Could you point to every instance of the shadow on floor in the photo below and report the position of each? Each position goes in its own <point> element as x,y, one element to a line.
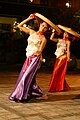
<point>58,96</point>
<point>52,98</point>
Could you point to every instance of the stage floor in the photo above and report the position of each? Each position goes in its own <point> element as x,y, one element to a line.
<point>58,106</point>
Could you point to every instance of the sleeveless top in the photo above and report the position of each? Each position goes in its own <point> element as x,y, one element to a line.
<point>33,44</point>
<point>61,48</point>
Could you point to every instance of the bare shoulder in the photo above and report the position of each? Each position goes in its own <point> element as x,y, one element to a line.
<point>67,42</point>
<point>32,31</point>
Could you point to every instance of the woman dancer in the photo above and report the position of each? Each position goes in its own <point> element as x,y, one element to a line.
<point>58,82</point>
<point>26,87</point>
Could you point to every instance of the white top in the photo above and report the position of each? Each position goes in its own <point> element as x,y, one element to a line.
<point>33,44</point>
<point>61,48</point>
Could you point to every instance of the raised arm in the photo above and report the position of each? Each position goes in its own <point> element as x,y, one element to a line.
<point>20,26</point>
<point>52,36</point>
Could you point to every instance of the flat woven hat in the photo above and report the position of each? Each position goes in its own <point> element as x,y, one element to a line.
<point>69,30</point>
<point>49,22</point>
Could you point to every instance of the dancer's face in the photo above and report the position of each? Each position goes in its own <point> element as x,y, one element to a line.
<point>43,27</point>
<point>65,35</point>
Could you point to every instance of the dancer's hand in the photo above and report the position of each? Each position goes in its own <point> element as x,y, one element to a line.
<point>32,16</point>
<point>53,30</point>
<point>69,59</point>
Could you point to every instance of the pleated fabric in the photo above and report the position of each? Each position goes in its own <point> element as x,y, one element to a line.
<point>26,86</point>
<point>58,82</point>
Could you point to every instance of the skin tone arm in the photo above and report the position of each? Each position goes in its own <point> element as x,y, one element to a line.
<point>52,37</point>
<point>26,30</point>
<point>43,43</point>
<point>68,50</point>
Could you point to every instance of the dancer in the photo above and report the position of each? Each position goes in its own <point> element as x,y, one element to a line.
<point>26,87</point>
<point>58,82</point>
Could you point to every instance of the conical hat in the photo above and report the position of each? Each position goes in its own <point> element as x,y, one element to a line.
<point>69,30</point>
<point>48,21</point>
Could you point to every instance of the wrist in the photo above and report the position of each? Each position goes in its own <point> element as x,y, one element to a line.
<point>53,30</point>
<point>39,51</point>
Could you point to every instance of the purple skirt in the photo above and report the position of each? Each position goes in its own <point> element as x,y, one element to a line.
<point>26,86</point>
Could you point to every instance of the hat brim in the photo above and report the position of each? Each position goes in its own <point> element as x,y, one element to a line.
<point>48,22</point>
<point>69,30</point>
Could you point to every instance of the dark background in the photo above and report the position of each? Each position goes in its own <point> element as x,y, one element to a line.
<point>13,45</point>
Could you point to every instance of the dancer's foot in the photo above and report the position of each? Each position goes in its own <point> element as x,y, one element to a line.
<point>44,97</point>
<point>17,100</point>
